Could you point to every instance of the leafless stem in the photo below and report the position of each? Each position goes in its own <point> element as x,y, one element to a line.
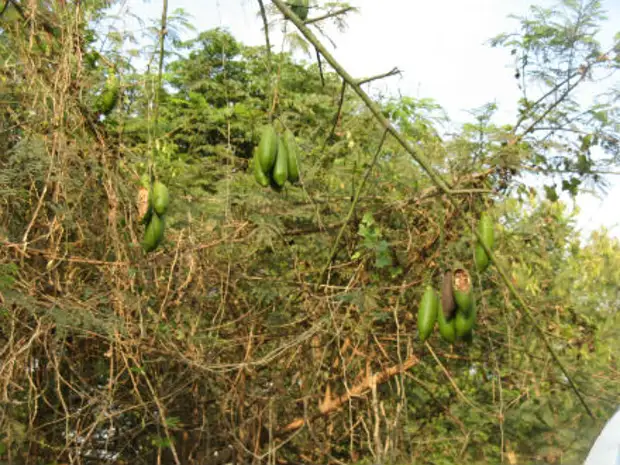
<point>329,15</point>
<point>392,72</point>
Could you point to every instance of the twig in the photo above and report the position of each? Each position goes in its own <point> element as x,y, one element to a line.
<point>392,72</point>
<point>329,15</point>
<point>338,113</point>
<point>318,59</point>
<point>6,5</point>
<point>550,109</point>
<point>162,38</point>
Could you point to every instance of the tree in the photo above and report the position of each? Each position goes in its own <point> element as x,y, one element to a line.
<point>281,324</point>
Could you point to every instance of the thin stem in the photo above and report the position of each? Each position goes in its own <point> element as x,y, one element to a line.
<point>160,71</point>
<point>263,14</point>
<point>392,72</point>
<point>329,15</point>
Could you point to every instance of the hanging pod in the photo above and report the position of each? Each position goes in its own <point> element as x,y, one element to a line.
<point>160,198</point>
<point>486,231</point>
<point>447,326</point>
<point>481,258</point>
<point>487,237</point>
<point>109,96</point>
<point>267,148</point>
<point>448,305</point>
<point>259,175</point>
<point>462,289</point>
<point>427,313</point>
<point>154,233</point>
<point>280,168</point>
<point>464,323</point>
<point>293,161</point>
<point>300,7</point>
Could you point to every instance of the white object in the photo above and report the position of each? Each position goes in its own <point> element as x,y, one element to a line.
<point>606,448</point>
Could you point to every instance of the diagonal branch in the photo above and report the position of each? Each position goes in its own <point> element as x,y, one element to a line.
<point>436,178</point>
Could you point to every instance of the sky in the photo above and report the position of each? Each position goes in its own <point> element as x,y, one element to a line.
<point>440,46</point>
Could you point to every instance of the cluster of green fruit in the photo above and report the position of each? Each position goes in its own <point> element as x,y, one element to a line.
<point>300,8</point>
<point>155,215</point>
<point>275,159</point>
<point>455,312</point>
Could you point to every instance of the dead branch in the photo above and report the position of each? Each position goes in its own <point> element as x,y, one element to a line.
<point>330,405</point>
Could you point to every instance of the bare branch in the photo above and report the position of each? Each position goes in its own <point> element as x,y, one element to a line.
<point>263,14</point>
<point>332,404</point>
<point>392,72</point>
<point>329,15</point>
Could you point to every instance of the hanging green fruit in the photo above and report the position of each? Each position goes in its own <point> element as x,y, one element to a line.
<point>268,148</point>
<point>301,8</point>
<point>486,231</point>
<point>280,168</point>
<point>427,313</point>
<point>259,175</point>
<point>447,326</point>
<point>464,322</point>
<point>160,198</point>
<point>462,289</point>
<point>481,258</point>
<point>487,235</point>
<point>293,162</point>
<point>153,234</point>
<point>109,96</point>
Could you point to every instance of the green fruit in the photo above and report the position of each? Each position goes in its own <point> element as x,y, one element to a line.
<point>462,289</point>
<point>427,313</point>
<point>464,323</point>
<point>274,186</point>
<point>109,97</point>
<point>293,163</point>
<point>447,327</point>
<point>280,169</point>
<point>260,177</point>
<point>153,234</point>
<point>160,198</point>
<point>148,215</point>
<point>481,258</point>
<point>485,229</point>
<point>300,8</point>
<point>267,148</point>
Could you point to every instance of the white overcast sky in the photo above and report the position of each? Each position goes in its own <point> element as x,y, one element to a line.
<point>439,45</point>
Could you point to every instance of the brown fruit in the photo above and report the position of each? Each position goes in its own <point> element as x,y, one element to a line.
<point>447,296</point>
